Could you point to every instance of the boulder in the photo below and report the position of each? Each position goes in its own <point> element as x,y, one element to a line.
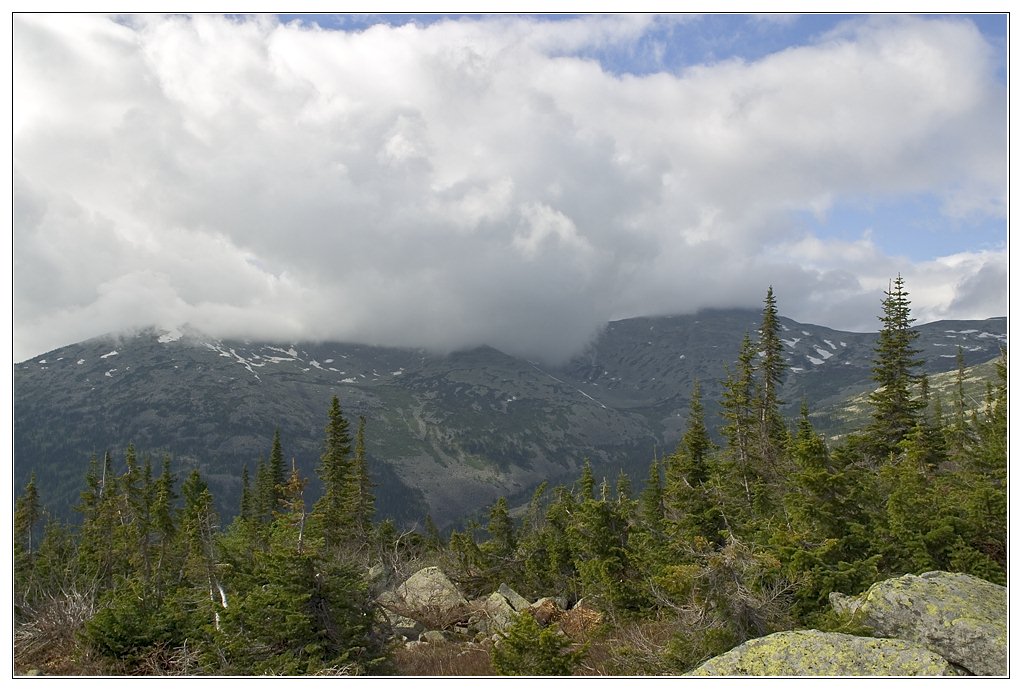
<point>433,637</point>
<point>514,599</point>
<point>430,589</point>
<point>500,613</point>
<point>401,626</point>
<point>961,617</point>
<point>814,653</point>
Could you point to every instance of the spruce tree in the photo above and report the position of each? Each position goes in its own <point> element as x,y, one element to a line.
<point>277,473</point>
<point>333,470</point>
<point>689,511</point>
<point>895,373</point>
<point>739,476</point>
<point>771,370</point>
<point>359,507</point>
<point>27,513</point>
<point>587,483</point>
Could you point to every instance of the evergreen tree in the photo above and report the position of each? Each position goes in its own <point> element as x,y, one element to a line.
<point>689,511</point>
<point>501,528</point>
<point>277,473</point>
<point>528,649</point>
<point>623,487</point>
<point>739,478</point>
<point>333,470</point>
<point>245,509</point>
<point>651,503</point>
<point>771,368</point>
<point>164,523</point>
<point>359,507</point>
<point>27,513</point>
<point>586,481</point>
<point>960,436</point>
<point>895,363</point>
<point>199,528</point>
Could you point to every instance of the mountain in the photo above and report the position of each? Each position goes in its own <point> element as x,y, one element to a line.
<point>446,434</point>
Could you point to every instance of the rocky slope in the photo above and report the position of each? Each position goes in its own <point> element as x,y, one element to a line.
<point>938,623</point>
<point>446,434</point>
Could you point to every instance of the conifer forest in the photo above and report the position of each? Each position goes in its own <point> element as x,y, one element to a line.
<point>742,530</point>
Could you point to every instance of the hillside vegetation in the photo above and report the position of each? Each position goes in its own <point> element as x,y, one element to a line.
<point>736,533</point>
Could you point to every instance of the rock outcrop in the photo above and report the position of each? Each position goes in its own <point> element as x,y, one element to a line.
<point>428,606</point>
<point>961,617</point>
<point>814,653</point>
<point>430,589</point>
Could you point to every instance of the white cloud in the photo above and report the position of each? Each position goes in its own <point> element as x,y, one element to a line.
<point>472,182</point>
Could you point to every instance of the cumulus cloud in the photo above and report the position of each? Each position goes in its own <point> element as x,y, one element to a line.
<point>479,181</point>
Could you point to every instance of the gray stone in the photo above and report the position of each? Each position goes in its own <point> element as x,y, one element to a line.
<point>500,614</point>
<point>814,653</point>
<point>433,637</point>
<point>401,625</point>
<point>560,601</point>
<point>430,589</point>
<point>514,599</point>
<point>961,617</point>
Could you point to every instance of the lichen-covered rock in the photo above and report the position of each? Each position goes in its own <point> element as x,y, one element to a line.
<point>514,599</point>
<point>814,653</point>
<point>961,617</point>
<point>430,589</point>
<point>500,613</point>
<point>401,626</point>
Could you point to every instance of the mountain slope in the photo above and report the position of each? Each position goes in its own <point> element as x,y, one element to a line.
<point>446,434</point>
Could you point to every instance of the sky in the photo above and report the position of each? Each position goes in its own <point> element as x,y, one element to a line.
<point>447,181</point>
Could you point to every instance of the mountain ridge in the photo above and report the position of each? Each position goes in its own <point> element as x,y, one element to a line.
<point>446,433</point>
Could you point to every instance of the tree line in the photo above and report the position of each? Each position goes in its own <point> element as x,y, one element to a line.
<point>723,543</point>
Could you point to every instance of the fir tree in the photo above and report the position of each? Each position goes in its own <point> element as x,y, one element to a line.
<point>27,513</point>
<point>333,470</point>
<point>771,370</point>
<point>689,510</point>
<point>359,507</point>
<point>738,471</point>
<point>277,476</point>
<point>895,363</point>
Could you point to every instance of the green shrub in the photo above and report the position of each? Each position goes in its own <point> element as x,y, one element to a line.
<point>528,649</point>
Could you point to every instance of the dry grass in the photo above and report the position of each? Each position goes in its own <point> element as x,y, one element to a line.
<point>446,659</point>
<point>46,640</point>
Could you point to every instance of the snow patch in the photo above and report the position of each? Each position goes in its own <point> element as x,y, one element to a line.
<point>830,345</point>
<point>350,380</point>
<point>399,371</point>
<point>822,353</point>
<point>81,361</point>
<point>42,361</point>
<point>965,331</point>
<point>290,351</point>
<point>791,343</point>
<point>110,373</point>
<point>107,355</point>
<point>815,361</point>
<point>681,357</point>
<point>805,333</point>
<point>329,360</point>
<point>172,335</point>
<point>796,369</point>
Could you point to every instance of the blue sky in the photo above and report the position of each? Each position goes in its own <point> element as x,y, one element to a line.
<point>688,39</point>
<point>452,180</point>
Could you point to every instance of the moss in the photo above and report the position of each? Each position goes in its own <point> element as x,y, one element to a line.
<point>815,653</point>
